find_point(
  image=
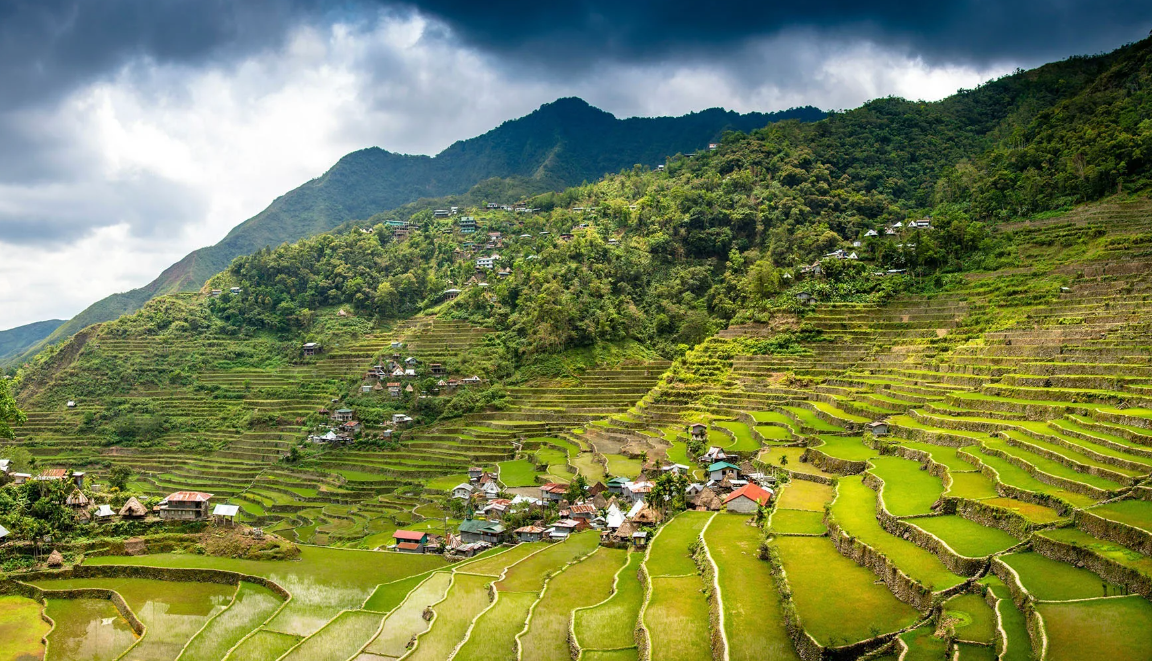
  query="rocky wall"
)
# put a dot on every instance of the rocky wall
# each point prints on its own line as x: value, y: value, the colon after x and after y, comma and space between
x: 1109, y: 570
x: 1125, y: 535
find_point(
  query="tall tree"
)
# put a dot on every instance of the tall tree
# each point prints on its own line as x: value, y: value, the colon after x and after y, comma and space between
x: 10, y: 416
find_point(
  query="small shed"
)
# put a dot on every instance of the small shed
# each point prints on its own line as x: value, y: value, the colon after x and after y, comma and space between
x: 698, y: 431
x: 310, y: 349
x: 105, y: 513
x: 55, y: 559
x: 225, y: 514
x: 878, y: 428
x: 78, y: 500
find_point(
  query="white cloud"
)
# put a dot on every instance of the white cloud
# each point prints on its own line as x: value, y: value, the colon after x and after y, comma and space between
x: 158, y: 160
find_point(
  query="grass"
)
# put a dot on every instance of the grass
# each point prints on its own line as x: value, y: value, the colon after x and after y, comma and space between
x: 773, y: 418
x: 819, y: 578
x: 1018, y: 477
x: 264, y: 645
x: 907, y: 488
x: 967, y: 537
x: 669, y: 555
x: 677, y: 619
x: 173, y: 612
x: 804, y: 495
x: 407, y: 619
x: 855, y: 511
x: 774, y: 433
x: 389, y: 595
x: 517, y: 473
x: 585, y: 463
x: 848, y: 448
x: 626, y: 654
x: 494, y: 565
x: 323, y: 582
x: 974, y: 486
x: 86, y: 629
x: 1017, y: 645
x: 21, y: 628
x: 253, y: 605
x: 975, y: 620
x: 972, y: 652
x: 744, y: 441
x: 529, y: 574
x: 941, y: 454
x: 609, y: 625
x: 1052, y: 580
x: 467, y: 598
x: 810, y: 420
x: 1099, y: 629
x: 584, y: 584
x: 753, y: 620
x: 493, y: 636
x: 442, y: 483
x: 1104, y: 549
x: 923, y: 646
x: 1135, y: 513
x: 339, y: 639
x: 1030, y: 511
x: 1053, y: 467
x: 621, y: 466
x: 802, y: 522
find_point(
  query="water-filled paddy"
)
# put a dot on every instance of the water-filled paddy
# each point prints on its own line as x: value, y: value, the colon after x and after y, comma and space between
x: 87, y: 630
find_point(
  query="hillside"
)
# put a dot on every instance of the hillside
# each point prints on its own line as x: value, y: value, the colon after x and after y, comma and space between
x: 561, y: 144
x: 15, y: 340
x: 954, y: 417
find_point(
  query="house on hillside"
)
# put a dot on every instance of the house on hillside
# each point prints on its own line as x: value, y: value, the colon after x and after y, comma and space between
x: 463, y: 491
x: 747, y: 499
x: 394, y: 389
x: 636, y: 491
x: 342, y: 415
x: 616, y: 485
x: 722, y: 469
x: 475, y: 473
x: 878, y: 428
x: 471, y: 380
x: 698, y: 431
x: 553, y: 492
x: 871, y: 233
x: 104, y: 513
x: 478, y: 530
x: 185, y: 506
x: 529, y: 533
x: 714, y: 454
x: 410, y: 541
x: 77, y: 500
x: 804, y: 297
x: 437, y: 369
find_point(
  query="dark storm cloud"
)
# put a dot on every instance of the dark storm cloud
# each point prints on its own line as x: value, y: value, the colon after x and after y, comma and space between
x: 49, y: 47
x: 573, y: 34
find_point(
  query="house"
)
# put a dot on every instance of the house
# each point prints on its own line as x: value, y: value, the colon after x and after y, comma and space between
x: 722, y: 469
x: 478, y: 530
x: 871, y: 233
x: 133, y: 509
x: 3, y: 534
x: 614, y: 518
x: 217, y: 292
x: 616, y: 484
x: 644, y: 515
x: 104, y: 513
x: 852, y: 255
x: 582, y: 512
x: 185, y: 506
x: 747, y: 499
x: 675, y: 469
x: 225, y: 514
x: 410, y: 541
x: 804, y: 297
x: 440, y: 213
x: 235, y: 290
x: 470, y: 380
x: 397, y: 372
x: 71, y: 404
x: 487, y: 262
x: 923, y: 224
x: 878, y: 428
x: 497, y: 507
x: 597, y: 489
x: 529, y: 533
x: 409, y: 373
x: 490, y: 489
x: 437, y: 369
x: 411, y: 360
x: 553, y: 492
x: 78, y: 500
x: 396, y: 344
x: 450, y: 294
x: 462, y: 491
x: 366, y: 388
x: 713, y: 455
x: 699, y: 432
x: 352, y: 427
x: 636, y: 491
x: 21, y: 478
x: 474, y: 473
x: 342, y: 415
x: 467, y: 224
x: 5, y: 465
x: 53, y: 474
x: 394, y: 388
x: 401, y: 419
x: 504, y: 273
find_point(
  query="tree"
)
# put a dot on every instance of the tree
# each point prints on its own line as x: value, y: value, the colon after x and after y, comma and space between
x: 10, y: 416
x: 668, y: 492
x: 577, y: 489
x: 118, y: 477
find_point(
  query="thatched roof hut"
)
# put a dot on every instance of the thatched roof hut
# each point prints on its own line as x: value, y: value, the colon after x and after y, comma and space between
x: 78, y: 499
x: 133, y: 509
x: 708, y: 501
x: 55, y: 559
x: 624, y: 532
x: 646, y: 516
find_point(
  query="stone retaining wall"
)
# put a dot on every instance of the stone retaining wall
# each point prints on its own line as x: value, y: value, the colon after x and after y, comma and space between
x: 1125, y: 535
x: 958, y: 564
x: 1105, y: 568
x: 830, y: 464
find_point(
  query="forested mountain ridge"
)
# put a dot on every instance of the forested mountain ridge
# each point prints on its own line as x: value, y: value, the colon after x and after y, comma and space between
x: 15, y: 340
x: 563, y: 143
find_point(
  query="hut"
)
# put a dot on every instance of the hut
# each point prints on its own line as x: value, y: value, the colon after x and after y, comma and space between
x: 225, y: 515
x: 646, y: 516
x: 133, y: 509
x: 78, y: 500
x: 55, y: 559
x: 708, y: 501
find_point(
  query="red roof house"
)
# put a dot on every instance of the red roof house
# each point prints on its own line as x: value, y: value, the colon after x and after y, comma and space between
x: 747, y: 499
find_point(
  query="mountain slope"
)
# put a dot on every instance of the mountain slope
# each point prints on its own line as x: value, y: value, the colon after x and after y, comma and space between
x: 561, y: 144
x: 15, y: 340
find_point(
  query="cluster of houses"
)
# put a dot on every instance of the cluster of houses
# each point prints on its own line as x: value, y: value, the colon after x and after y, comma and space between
x: 215, y: 293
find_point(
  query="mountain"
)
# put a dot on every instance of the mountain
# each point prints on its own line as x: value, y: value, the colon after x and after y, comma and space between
x: 14, y: 341
x: 561, y: 144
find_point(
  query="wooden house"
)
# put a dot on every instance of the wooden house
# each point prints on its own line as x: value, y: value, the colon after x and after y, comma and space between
x: 529, y: 533
x: 185, y: 506
x: 747, y: 499
x: 410, y: 541
x: 478, y: 530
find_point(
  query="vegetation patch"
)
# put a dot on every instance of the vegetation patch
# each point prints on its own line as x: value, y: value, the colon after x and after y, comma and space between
x: 252, y: 605
x: 21, y: 627
x: 611, y: 624
x: 908, y: 489
x: 676, y: 617
x: 965, y: 537
x: 1101, y: 628
x: 581, y: 585
x: 1052, y: 580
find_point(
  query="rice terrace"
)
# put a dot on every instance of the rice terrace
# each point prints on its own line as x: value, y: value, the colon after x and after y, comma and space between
x: 872, y: 384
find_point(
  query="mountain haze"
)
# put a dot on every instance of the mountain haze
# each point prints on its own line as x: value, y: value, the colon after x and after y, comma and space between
x: 561, y: 144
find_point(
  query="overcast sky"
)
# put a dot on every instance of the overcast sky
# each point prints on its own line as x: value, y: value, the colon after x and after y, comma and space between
x: 134, y: 131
